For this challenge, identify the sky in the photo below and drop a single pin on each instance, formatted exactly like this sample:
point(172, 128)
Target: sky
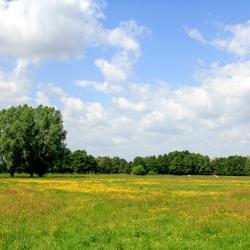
point(133, 77)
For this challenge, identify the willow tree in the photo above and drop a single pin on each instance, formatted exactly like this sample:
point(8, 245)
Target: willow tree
point(30, 138)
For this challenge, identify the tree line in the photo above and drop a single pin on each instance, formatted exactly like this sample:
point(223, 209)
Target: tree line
point(175, 163)
point(32, 140)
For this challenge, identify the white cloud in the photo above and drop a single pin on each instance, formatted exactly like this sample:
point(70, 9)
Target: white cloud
point(59, 29)
point(35, 29)
point(125, 36)
point(119, 69)
point(116, 73)
point(14, 86)
point(153, 117)
point(123, 103)
point(112, 72)
point(234, 39)
point(75, 109)
point(104, 87)
point(42, 99)
point(196, 35)
point(94, 115)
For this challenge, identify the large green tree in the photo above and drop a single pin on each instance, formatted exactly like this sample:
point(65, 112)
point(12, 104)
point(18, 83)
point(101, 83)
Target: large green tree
point(30, 138)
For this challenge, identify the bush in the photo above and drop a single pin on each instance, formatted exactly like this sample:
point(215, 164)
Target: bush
point(138, 170)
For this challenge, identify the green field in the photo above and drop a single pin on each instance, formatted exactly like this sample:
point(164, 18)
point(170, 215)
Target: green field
point(124, 212)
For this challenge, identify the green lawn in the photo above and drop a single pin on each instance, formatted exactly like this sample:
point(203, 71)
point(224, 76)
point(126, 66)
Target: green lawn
point(124, 212)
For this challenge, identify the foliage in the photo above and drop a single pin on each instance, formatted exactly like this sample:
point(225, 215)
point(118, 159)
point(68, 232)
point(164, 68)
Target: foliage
point(30, 138)
point(62, 163)
point(81, 162)
point(113, 165)
point(138, 170)
point(232, 165)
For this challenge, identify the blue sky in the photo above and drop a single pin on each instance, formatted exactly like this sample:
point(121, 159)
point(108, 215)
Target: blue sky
point(168, 53)
point(133, 77)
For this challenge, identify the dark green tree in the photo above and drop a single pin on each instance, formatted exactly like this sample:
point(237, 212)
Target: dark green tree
point(82, 163)
point(151, 164)
point(104, 165)
point(119, 165)
point(163, 164)
point(30, 138)
point(62, 163)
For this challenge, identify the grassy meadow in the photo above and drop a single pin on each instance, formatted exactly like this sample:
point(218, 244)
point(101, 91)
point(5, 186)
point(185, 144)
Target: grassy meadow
point(124, 212)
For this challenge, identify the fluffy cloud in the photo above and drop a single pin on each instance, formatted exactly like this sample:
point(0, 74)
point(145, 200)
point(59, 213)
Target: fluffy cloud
point(48, 29)
point(125, 36)
point(74, 109)
point(112, 72)
point(234, 39)
point(14, 86)
point(116, 72)
point(59, 29)
point(123, 103)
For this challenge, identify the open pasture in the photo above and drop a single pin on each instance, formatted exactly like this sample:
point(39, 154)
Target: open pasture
point(124, 212)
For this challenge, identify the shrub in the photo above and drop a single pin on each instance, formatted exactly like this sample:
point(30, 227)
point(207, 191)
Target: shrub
point(138, 170)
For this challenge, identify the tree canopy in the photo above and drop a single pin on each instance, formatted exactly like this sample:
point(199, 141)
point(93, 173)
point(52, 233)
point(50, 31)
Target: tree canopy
point(30, 138)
